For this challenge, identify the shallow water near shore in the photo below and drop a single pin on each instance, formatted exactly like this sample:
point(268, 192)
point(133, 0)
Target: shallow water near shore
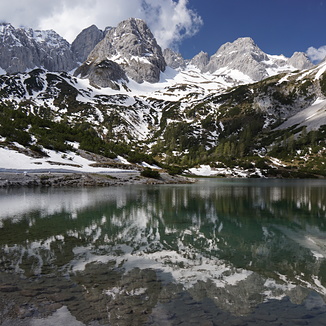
point(217, 252)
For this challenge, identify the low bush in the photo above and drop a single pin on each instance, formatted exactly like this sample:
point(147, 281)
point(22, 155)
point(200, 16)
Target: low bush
point(149, 173)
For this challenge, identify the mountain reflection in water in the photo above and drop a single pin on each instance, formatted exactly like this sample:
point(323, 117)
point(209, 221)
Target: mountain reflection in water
point(141, 255)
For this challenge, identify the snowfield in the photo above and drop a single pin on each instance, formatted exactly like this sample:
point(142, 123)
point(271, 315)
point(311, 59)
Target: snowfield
point(237, 172)
point(313, 117)
point(68, 162)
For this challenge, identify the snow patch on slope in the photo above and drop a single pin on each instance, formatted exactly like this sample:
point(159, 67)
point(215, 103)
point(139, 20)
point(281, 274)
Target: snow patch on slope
point(14, 160)
point(312, 117)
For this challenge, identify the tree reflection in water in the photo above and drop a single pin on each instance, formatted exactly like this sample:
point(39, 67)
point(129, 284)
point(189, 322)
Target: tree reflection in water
point(144, 254)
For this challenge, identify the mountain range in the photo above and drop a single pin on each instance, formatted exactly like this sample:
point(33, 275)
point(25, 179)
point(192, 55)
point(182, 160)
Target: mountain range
point(132, 46)
point(116, 93)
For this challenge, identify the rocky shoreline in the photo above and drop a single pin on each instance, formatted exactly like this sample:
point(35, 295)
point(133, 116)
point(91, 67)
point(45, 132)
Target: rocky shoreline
point(55, 179)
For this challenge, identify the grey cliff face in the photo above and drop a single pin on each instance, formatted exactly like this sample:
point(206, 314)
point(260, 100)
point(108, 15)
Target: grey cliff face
point(243, 55)
point(300, 61)
point(103, 74)
point(17, 52)
point(130, 50)
point(85, 42)
point(200, 60)
point(132, 45)
point(174, 59)
point(22, 49)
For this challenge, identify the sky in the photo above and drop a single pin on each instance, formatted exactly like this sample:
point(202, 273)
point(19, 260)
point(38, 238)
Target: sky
point(188, 26)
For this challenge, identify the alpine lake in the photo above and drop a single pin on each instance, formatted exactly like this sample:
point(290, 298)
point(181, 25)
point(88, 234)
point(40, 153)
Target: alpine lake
point(217, 252)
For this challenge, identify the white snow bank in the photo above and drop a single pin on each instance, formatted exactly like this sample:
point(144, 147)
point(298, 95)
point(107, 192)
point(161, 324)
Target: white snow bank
point(13, 160)
point(236, 172)
point(312, 117)
point(203, 170)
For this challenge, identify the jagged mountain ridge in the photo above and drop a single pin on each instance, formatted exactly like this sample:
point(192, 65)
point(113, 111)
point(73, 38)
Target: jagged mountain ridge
point(239, 62)
point(244, 55)
point(189, 116)
point(25, 49)
point(86, 41)
point(133, 48)
point(241, 57)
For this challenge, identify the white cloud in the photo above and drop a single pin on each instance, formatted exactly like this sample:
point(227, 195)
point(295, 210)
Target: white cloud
point(316, 55)
point(26, 13)
point(170, 20)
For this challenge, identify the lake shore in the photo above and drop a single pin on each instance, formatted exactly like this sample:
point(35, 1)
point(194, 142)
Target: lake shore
point(79, 179)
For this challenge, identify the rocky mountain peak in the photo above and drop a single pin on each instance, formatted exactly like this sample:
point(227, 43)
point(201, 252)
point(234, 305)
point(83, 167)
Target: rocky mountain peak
point(6, 30)
point(245, 56)
point(200, 60)
point(300, 60)
point(85, 42)
point(244, 45)
point(174, 59)
point(22, 49)
point(131, 45)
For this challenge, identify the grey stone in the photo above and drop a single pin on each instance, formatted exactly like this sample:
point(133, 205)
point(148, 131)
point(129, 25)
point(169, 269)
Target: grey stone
point(200, 60)
point(103, 74)
point(131, 45)
point(174, 59)
point(300, 61)
point(85, 42)
point(245, 56)
point(23, 49)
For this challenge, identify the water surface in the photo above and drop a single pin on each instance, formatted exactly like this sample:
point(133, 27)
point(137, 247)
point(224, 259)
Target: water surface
point(219, 252)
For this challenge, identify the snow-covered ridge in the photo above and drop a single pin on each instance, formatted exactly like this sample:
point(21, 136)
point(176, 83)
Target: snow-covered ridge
point(14, 160)
point(241, 61)
point(50, 37)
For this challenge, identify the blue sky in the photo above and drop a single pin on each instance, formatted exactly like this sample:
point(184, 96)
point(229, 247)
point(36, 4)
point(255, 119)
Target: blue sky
point(190, 26)
point(277, 26)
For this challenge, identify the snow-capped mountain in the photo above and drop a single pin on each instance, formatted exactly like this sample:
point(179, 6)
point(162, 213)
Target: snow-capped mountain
point(86, 41)
point(239, 62)
point(242, 56)
point(131, 50)
point(160, 122)
point(245, 56)
point(130, 98)
point(24, 49)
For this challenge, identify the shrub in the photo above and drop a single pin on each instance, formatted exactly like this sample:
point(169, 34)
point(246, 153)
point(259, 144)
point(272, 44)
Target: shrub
point(174, 170)
point(149, 173)
point(323, 83)
point(261, 164)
